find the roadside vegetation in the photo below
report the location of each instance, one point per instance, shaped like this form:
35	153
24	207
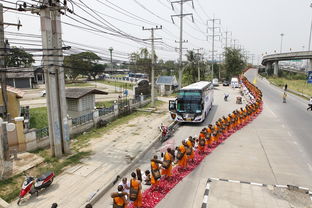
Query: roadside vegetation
38	117
79	84
117	84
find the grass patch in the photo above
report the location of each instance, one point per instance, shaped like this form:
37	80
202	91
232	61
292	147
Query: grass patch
117	84
38	117
158	103
104	104
79	84
300	86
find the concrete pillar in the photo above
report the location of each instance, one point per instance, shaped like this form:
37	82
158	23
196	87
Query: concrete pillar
268	67
116	109
20	134
276	68
309	68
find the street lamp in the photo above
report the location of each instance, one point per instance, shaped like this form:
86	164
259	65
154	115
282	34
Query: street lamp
282	35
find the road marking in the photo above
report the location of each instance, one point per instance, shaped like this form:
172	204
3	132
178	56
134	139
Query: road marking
206	194
272	113
289	133
233	181
256	184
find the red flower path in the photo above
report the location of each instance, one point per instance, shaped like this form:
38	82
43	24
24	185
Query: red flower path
152	197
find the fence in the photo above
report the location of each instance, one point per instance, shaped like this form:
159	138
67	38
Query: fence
41	133
104	111
82	119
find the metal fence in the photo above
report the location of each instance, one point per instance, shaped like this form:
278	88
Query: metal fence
41	133
82	119
104	111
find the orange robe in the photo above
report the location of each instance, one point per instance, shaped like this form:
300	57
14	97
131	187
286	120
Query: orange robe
136	185
190	145
183	162
201	148
120	201
168	171
154	166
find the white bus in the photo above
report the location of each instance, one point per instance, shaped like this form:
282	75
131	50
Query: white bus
193	103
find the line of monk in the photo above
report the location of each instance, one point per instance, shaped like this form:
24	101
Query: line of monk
208	138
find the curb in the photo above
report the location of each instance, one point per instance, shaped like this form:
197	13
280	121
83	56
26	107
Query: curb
102	191
289	187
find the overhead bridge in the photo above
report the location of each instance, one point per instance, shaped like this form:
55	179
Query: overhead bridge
269	60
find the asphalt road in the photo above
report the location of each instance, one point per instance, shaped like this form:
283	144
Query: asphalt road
293	113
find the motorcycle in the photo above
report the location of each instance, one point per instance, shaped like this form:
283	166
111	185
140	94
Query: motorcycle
165	132
33	185
226	96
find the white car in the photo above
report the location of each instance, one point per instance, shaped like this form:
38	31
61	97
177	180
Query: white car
234	82
215	82
43	93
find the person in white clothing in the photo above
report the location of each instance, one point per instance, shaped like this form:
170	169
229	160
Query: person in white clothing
310	104
126	186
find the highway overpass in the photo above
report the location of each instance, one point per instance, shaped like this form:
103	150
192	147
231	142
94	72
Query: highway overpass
272	60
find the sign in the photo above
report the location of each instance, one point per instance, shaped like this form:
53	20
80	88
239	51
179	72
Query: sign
309	78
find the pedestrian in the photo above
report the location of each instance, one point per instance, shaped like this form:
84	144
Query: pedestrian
54	205
88	206
119	198
167	163
310	104
125	184
284	97
285	87
135	191
182	157
155	169
147	178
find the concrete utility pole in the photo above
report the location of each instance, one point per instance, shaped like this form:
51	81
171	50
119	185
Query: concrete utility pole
282	35
234	43
214	35
181	41
227	33
152	29
2	66
51	33
199	58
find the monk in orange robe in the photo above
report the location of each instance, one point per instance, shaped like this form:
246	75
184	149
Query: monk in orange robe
190	153
201	142
181	156
135	189
119	198
167	163
155	171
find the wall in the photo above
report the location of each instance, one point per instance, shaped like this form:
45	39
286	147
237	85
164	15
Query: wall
14	107
34	143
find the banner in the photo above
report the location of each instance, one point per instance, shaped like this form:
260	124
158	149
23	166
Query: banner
309	78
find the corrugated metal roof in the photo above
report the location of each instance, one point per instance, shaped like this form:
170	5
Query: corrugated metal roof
196	86
20	72
167	80
76	93
19	93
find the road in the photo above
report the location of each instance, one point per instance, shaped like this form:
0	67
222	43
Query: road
273	149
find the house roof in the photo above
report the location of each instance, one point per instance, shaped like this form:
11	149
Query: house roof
20	72
167	80
76	93
19	93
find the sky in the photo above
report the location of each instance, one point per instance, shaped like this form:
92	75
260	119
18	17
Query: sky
255	25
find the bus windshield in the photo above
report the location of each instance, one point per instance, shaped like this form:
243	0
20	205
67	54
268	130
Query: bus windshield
189	95
186	106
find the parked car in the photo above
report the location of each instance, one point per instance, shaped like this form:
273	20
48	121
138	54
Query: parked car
215	82
226	83
43	93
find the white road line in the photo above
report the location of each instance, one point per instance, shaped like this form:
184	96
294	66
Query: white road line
208	186
281	186
233	181
289	133
257	184
272	113
205	200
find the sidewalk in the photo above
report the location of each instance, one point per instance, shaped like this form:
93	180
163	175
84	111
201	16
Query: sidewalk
111	153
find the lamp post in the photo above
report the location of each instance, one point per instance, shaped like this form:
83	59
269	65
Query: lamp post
282	35
111	63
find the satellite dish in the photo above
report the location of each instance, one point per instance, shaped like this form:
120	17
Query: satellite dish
10	127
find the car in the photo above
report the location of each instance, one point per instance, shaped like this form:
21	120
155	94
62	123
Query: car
43	93
226	83
234	82
215	82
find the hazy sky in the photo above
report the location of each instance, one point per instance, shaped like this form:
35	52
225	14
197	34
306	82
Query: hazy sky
255	24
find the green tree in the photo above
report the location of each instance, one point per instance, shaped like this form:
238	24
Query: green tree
234	62
80	64
97	69
190	74
18	57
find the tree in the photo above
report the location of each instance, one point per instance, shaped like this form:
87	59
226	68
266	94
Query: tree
191	71
97	69
234	62
81	64
18	57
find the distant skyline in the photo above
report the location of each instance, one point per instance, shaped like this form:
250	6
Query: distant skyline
255	25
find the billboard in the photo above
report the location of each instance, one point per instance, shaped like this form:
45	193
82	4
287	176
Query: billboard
309	78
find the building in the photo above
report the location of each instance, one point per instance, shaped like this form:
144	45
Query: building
166	84
25	77
13	102
81	101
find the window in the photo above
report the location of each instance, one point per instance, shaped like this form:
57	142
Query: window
72	104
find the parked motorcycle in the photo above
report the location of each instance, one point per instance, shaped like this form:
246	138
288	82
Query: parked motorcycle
226	96
165	132
33	185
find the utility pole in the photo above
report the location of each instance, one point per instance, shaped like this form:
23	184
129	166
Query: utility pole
51	34
282	35
227	33
234	45
181	16
2	66
152	29
214	35
198	60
